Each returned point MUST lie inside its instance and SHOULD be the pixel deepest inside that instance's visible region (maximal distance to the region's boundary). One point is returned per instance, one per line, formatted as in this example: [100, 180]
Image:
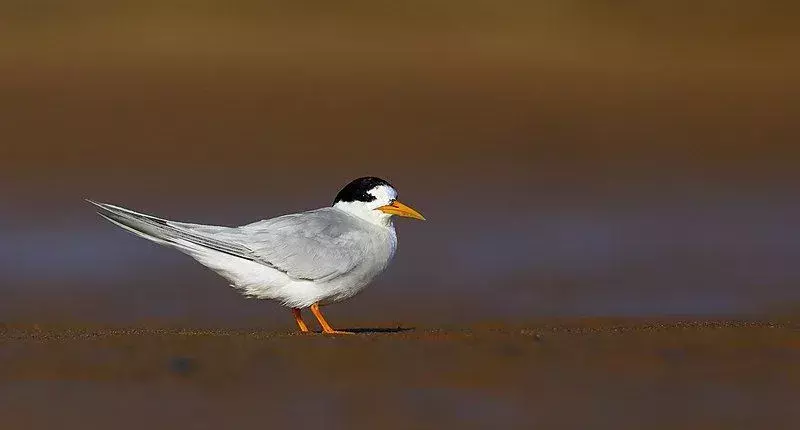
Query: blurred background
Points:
[573, 158]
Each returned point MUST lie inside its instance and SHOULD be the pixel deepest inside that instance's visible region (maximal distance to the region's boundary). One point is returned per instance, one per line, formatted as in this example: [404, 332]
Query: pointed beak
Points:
[397, 208]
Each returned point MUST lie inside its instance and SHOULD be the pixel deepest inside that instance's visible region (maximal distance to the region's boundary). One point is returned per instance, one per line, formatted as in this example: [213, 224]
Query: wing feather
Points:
[316, 245]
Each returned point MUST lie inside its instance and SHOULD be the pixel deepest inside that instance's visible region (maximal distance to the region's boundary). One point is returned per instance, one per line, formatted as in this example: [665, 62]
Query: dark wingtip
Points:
[102, 208]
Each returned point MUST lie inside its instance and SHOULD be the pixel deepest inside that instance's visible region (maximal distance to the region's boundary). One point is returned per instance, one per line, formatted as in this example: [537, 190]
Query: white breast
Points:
[381, 250]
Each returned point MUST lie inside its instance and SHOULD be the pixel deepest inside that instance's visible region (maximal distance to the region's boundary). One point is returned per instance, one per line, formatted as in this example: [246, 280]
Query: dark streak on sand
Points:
[599, 373]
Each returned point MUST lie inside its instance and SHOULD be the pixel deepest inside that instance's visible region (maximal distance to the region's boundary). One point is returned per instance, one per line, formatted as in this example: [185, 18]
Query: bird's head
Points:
[374, 200]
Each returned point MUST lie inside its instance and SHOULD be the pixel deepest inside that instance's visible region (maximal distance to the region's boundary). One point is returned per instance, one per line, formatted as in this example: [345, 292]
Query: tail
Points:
[186, 237]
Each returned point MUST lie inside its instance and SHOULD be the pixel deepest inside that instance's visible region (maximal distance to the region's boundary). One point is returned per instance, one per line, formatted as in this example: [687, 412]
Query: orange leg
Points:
[298, 318]
[326, 328]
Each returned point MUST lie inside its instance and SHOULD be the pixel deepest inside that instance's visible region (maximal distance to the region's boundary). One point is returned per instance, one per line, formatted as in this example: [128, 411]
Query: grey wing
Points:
[315, 245]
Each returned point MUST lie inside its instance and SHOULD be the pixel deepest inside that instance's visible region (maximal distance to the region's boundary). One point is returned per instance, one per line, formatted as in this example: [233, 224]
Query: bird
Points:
[301, 260]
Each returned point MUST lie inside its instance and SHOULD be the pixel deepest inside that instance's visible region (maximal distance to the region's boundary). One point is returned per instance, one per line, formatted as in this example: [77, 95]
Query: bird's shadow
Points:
[376, 330]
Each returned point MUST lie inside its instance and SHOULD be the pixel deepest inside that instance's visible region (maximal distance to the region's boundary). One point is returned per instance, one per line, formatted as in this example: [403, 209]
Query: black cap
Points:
[357, 190]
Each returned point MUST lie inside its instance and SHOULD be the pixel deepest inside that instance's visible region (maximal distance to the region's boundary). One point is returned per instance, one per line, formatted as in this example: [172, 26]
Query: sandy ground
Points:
[589, 373]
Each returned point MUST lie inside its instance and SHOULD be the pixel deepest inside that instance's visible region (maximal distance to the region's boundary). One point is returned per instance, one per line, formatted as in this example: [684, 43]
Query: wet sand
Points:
[556, 373]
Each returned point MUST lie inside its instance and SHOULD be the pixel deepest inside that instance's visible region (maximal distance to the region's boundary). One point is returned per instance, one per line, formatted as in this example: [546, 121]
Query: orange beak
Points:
[397, 208]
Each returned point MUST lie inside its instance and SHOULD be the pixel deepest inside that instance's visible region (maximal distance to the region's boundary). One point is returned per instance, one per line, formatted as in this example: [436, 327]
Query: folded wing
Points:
[316, 245]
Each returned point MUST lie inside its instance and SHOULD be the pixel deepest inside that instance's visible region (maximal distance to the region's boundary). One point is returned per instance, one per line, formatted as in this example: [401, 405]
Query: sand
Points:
[586, 373]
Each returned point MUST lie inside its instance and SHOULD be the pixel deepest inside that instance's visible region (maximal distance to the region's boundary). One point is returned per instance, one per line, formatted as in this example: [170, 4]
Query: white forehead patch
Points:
[383, 193]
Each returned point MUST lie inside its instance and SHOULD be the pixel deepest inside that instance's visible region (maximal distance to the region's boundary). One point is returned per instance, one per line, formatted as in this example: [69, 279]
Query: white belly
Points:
[263, 282]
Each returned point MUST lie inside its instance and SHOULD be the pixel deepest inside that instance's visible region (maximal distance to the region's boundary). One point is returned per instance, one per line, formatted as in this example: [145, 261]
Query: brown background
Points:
[573, 158]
